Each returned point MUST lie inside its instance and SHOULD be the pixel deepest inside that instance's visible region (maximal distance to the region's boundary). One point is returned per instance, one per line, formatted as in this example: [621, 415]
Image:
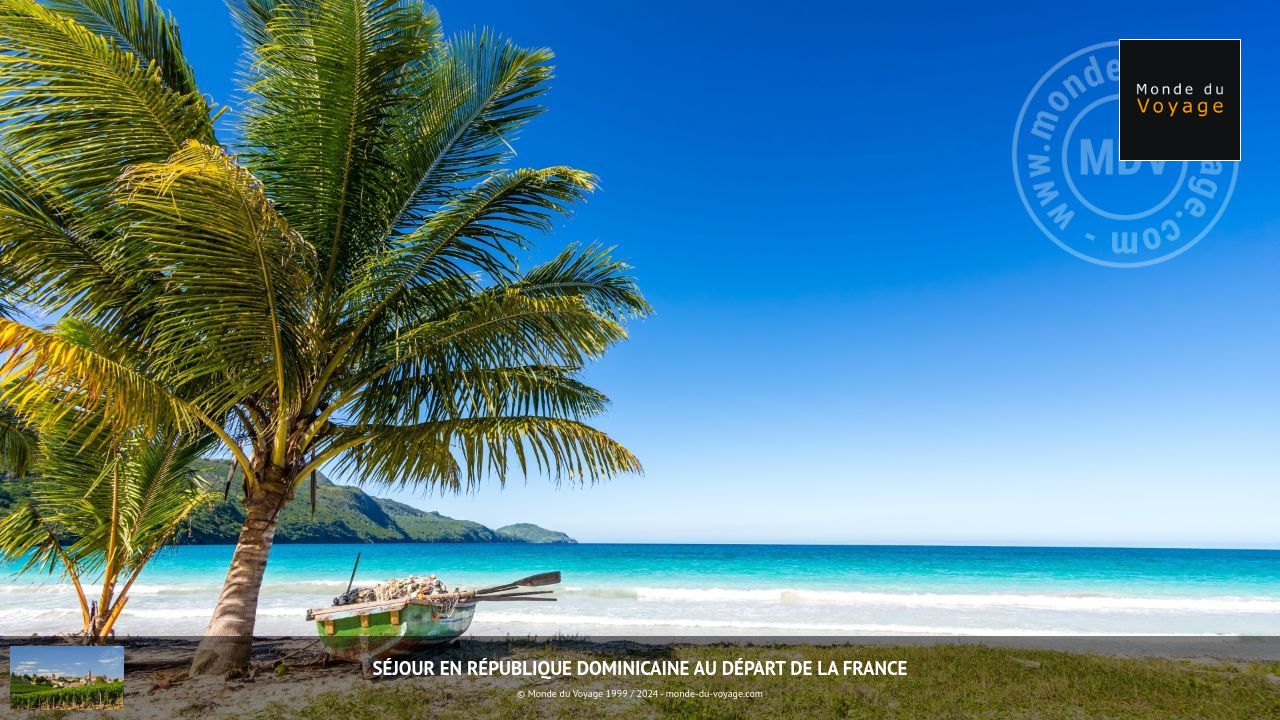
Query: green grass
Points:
[949, 681]
[20, 686]
[23, 696]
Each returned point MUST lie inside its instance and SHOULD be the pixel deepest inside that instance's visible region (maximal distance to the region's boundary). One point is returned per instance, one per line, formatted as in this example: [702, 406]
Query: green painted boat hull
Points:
[420, 626]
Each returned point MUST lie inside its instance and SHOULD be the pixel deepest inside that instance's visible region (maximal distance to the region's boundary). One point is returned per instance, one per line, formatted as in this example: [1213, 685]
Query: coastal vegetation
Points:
[530, 533]
[339, 281]
[341, 514]
[344, 514]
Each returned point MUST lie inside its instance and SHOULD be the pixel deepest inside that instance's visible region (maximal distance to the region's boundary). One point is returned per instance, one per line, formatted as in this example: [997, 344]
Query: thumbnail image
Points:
[66, 678]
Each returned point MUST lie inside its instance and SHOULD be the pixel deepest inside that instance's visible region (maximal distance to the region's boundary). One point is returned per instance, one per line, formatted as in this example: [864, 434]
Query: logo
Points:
[1069, 175]
[1180, 100]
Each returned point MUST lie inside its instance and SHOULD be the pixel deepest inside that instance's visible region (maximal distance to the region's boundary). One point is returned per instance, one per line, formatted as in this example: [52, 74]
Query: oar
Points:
[547, 578]
[514, 598]
[353, 572]
[515, 594]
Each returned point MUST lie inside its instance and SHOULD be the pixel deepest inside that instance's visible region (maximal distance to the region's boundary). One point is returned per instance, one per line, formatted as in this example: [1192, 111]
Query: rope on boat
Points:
[447, 605]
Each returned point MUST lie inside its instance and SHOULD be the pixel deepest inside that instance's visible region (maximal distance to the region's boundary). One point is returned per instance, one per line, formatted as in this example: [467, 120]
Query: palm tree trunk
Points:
[228, 639]
[74, 574]
[123, 596]
[110, 571]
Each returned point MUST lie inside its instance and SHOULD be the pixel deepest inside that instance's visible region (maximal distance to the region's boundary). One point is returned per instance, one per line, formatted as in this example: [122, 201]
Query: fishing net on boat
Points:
[446, 605]
[413, 586]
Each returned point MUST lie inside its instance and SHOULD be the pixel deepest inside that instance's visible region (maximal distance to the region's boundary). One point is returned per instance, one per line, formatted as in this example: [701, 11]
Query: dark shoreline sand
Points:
[156, 686]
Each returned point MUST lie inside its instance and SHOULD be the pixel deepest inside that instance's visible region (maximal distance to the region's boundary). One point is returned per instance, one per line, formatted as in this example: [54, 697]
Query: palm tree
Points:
[342, 284]
[102, 506]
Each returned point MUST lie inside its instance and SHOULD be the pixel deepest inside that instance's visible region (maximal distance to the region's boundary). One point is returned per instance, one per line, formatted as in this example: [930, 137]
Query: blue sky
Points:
[860, 336]
[67, 660]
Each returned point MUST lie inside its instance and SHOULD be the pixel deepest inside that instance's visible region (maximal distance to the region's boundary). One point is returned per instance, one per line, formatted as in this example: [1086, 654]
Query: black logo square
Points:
[1179, 100]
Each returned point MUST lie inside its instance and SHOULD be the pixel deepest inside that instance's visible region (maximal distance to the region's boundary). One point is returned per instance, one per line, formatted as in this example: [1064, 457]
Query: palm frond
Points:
[27, 538]
[45, 258]
[456, 454]
[473, 102]
[8, 284]
[154, 489]
[51, 374]
[476, 231]
[17, 442]
[133, 486]
[206, 224]
[75, 108]
[251, 18]
[324, 79]
[446, 393]
[494, 329]
[140, 27]
[592, 274]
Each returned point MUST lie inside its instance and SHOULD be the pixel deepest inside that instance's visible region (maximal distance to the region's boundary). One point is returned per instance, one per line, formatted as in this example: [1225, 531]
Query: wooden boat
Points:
[397, 627]
[362, 632]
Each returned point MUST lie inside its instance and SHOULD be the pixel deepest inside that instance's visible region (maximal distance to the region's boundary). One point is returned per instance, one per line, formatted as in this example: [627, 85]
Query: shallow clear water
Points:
[727, 589]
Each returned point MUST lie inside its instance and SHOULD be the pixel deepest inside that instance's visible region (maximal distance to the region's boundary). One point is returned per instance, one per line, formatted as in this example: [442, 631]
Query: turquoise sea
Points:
[728, 589]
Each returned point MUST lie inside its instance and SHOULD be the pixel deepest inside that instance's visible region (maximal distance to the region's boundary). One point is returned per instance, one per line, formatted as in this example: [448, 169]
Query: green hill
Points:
[343, 514]
[530, 533]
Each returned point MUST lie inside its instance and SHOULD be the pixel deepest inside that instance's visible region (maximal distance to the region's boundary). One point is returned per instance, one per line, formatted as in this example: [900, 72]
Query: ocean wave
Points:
[608, 593]
[317, 587]
[318, 590]
[1081, 602]
[29, 613]
[181, 613]
[45, 588]
[170, 613]
[544, 624]
[91, 589]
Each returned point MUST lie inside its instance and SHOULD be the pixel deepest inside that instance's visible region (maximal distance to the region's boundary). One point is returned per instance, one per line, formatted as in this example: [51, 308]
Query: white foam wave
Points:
[710, 625]
[1087, 603]
[33, 613]
[67, 589]
[181, 613]
[170, 613]
[44, 588]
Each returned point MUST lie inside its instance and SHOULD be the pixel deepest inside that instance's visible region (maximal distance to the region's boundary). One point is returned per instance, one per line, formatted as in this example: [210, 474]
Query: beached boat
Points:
[361, 632]
[397, 627]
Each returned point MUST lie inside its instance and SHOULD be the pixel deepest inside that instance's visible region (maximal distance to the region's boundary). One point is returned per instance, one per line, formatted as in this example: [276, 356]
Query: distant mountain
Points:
[530, 533]
[343, 514]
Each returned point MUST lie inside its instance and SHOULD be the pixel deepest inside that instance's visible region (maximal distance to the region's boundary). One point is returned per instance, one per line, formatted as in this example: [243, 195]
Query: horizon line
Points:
[1033, 546]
